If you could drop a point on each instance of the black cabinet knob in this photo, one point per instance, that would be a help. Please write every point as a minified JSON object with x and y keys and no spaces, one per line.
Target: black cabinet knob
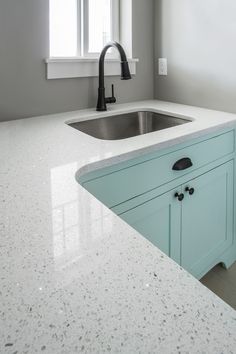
{"x":190,"y":190}
{"x":180,"y":196}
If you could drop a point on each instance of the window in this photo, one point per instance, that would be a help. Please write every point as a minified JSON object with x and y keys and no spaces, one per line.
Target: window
{"x":80,"y":28}
{"x":78,"y":31}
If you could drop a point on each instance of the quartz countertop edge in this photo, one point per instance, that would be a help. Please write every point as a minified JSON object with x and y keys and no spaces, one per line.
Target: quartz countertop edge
{"x":74,"y":277}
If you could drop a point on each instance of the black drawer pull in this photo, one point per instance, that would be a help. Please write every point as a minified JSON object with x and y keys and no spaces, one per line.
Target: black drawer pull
{"x":182,"y":164}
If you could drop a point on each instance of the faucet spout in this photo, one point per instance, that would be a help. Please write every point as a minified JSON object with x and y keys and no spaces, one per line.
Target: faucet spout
{"x":125,"y":75}
{"x":125,"y":71}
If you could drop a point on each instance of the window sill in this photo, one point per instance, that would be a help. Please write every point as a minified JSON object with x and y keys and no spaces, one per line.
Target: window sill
{"x":61,"y":68}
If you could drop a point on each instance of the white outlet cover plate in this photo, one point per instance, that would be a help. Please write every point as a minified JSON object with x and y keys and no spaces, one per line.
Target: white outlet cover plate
{"x":162,"y":66}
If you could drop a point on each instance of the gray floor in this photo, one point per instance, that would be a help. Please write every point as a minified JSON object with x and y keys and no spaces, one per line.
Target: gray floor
{"x":223,"y":283}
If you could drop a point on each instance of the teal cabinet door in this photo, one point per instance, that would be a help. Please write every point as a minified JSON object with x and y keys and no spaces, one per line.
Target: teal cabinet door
{"x":158,"y":220}
{"x":207,"y":219}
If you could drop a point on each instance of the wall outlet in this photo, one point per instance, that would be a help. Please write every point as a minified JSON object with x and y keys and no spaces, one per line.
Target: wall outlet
{"x":162,"y":66}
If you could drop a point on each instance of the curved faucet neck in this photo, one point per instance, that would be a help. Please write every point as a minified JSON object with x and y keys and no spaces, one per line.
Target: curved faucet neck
{"x":109,"y":45}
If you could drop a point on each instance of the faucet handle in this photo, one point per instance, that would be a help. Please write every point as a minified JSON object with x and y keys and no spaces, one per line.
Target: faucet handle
{"x":112,"y":91}
{"x":111,"y":99}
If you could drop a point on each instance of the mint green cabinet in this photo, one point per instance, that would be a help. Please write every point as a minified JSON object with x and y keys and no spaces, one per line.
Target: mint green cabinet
{"x":198,"y":231}
{"x":158,"y":220}
{"x":207,"y":219}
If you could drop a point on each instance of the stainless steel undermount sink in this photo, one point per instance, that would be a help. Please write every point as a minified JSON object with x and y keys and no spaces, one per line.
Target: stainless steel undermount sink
{"x":127,"y":125}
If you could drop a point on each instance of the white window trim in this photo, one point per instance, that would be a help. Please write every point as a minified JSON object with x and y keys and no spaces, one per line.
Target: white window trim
{"x":74,"y":67}
{"x":62,"y":68}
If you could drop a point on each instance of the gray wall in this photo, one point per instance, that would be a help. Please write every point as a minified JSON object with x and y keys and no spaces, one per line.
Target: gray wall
{"x":199,"y":39}
{"x":24,"y":37}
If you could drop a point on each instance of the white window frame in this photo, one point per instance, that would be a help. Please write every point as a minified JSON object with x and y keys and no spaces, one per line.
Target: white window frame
{"x":86,"y":64}
{"x":115,"y":22}
{"x":83,"y":29}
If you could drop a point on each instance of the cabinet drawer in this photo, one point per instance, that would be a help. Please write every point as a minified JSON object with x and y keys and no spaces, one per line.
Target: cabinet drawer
{"x":136,"y":179}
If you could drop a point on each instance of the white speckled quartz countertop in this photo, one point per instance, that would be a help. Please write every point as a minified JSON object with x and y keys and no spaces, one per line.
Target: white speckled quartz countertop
{"x":74,"y":278}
